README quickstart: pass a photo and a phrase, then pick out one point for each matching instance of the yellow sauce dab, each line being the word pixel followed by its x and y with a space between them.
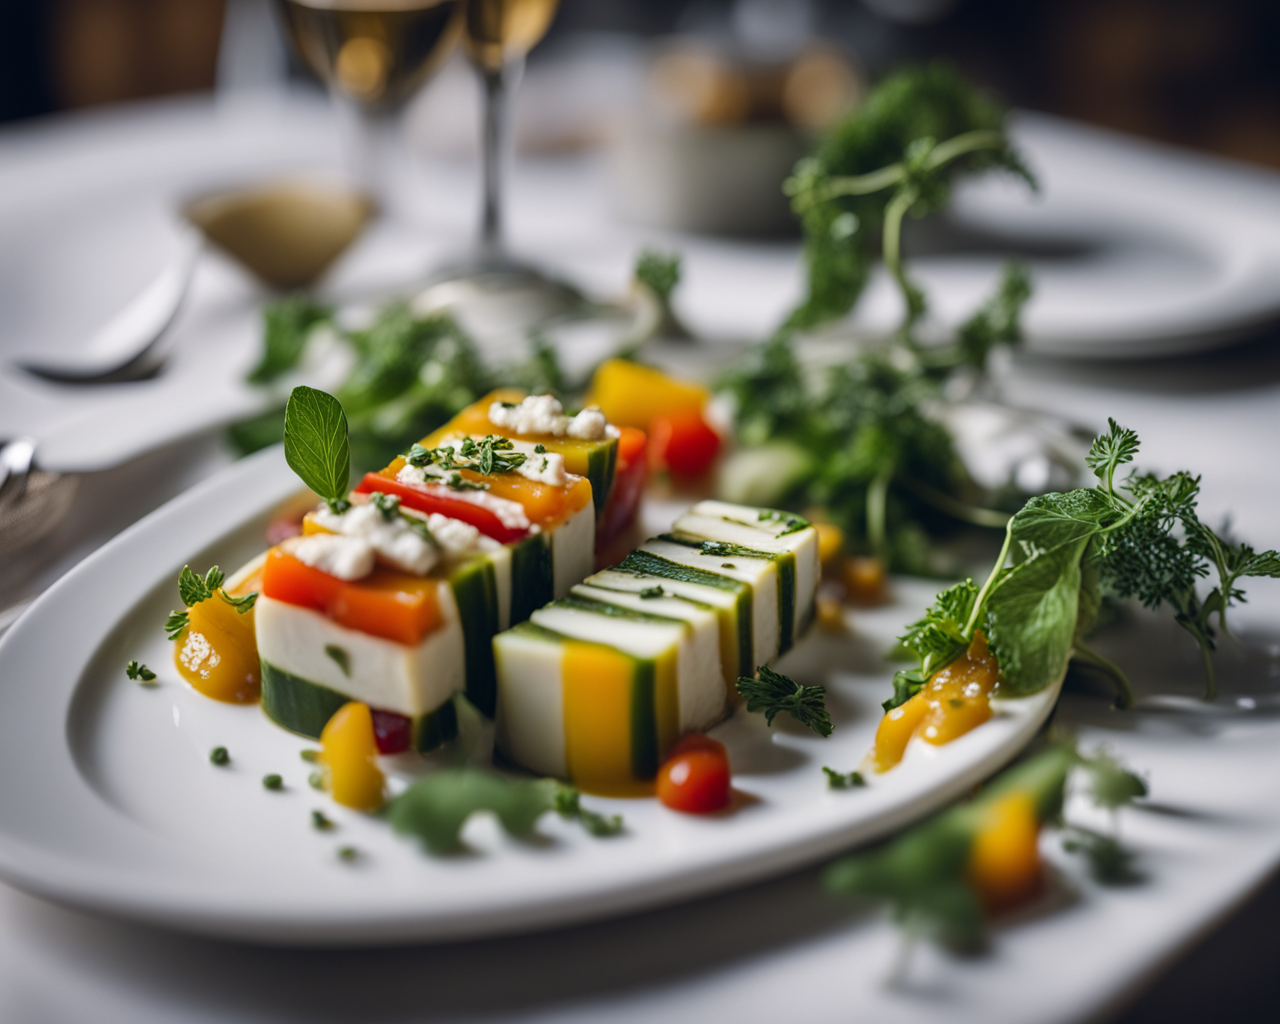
pixel 348 757
pixel 953 701
pixel 1004 861
pixel 217 653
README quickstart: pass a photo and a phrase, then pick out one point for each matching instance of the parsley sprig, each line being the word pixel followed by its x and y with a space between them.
pixel 1140 538
pixel 194 588
pixel 774 693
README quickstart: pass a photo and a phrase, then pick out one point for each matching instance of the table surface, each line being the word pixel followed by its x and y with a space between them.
pixel 1207 846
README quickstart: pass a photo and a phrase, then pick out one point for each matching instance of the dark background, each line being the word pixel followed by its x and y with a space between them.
pixel 1202 73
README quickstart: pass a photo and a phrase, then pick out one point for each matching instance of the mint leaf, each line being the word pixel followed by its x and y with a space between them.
pixel 315 444
pixel 435 808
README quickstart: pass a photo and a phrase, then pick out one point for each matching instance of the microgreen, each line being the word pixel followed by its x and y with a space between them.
pixel 843 780
pixel 139 672
pixel 568 804
pixel 774 693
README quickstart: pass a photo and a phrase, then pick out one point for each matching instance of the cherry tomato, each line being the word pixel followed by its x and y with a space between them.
pixel 695 777
pixel 682 443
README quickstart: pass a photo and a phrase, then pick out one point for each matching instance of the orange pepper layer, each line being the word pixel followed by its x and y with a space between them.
pixel 473 421
pixel 386 603
pixel 543 504
pixel 955 700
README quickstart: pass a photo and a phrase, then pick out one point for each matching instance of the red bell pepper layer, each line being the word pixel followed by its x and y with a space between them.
pixel 438 498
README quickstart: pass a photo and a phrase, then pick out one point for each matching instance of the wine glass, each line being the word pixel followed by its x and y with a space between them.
pixel 497 35
pixel 374 55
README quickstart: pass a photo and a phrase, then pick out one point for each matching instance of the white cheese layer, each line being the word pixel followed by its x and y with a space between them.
pixel 758 573
pixel 384 674
pixel 394 541
pixel 346 558
pixel 700 675
pixel 573 549
pixel 530 726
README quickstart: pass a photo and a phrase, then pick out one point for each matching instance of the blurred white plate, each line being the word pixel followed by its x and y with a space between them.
pixel 108 800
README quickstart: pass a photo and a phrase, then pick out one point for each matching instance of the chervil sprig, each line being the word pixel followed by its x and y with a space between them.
pixel 194 588
pixel 774 693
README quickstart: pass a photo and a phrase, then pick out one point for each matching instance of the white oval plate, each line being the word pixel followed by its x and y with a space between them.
pixel 108 800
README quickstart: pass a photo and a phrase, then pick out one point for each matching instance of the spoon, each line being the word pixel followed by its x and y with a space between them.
pixel 286 233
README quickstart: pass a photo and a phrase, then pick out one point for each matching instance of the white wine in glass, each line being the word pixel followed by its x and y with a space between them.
pixel 498 35
pixel 374 55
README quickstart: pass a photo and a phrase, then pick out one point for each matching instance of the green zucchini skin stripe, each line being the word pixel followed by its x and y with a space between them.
pixel 602 464
pixel 644 563
pixel 590 604
pixel 786 561
pixel 475 589
pixel 644 721
pixel 305 707
pixel 532 577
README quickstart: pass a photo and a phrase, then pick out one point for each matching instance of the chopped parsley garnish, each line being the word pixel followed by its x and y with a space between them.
pixel 387 504
pixel 774 693
pixel 340 657
pixel 219 756
pixel 309 755
pixel 793 523
pixel 458 483
pixel 316 780
pixel 320 822
pixel 843 780
pixel 540 449
pixel 273 782
pixel 487 456
pixel 348 854
pixel 568 804
pixel 136 670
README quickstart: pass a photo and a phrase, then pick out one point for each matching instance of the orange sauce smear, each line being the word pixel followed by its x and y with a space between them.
pixel 955 700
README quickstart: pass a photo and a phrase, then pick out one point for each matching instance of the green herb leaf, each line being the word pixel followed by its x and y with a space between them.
pixel 659 272
pixel 774 693
pixel 219 756
pixel 568 804
pixel 241 604
pixel 320 822
pixel 193 588
pixel 274 782
pixel 315 444
pixel 138 671
pixel 843 780
pixel 1110 451
pixel 175 624
pixel 340 657
pixel 435 808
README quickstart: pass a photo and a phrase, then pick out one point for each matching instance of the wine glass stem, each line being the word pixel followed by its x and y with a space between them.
pixel 496 144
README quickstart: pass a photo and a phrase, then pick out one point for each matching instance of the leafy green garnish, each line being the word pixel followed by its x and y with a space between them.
pixel 659 272
pixel 320 821
pixel 568 804
pixel 435 808
pixel 899 153
pixel 487 456
pixel 219 756
pixel 922 875
pixel 315 444
pixel 139 672
pixel 175 624
pixel 774 693
pixel 193 588
pixel 1140 538
pixel 288 325
pixel 340 657
pixel 843 780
